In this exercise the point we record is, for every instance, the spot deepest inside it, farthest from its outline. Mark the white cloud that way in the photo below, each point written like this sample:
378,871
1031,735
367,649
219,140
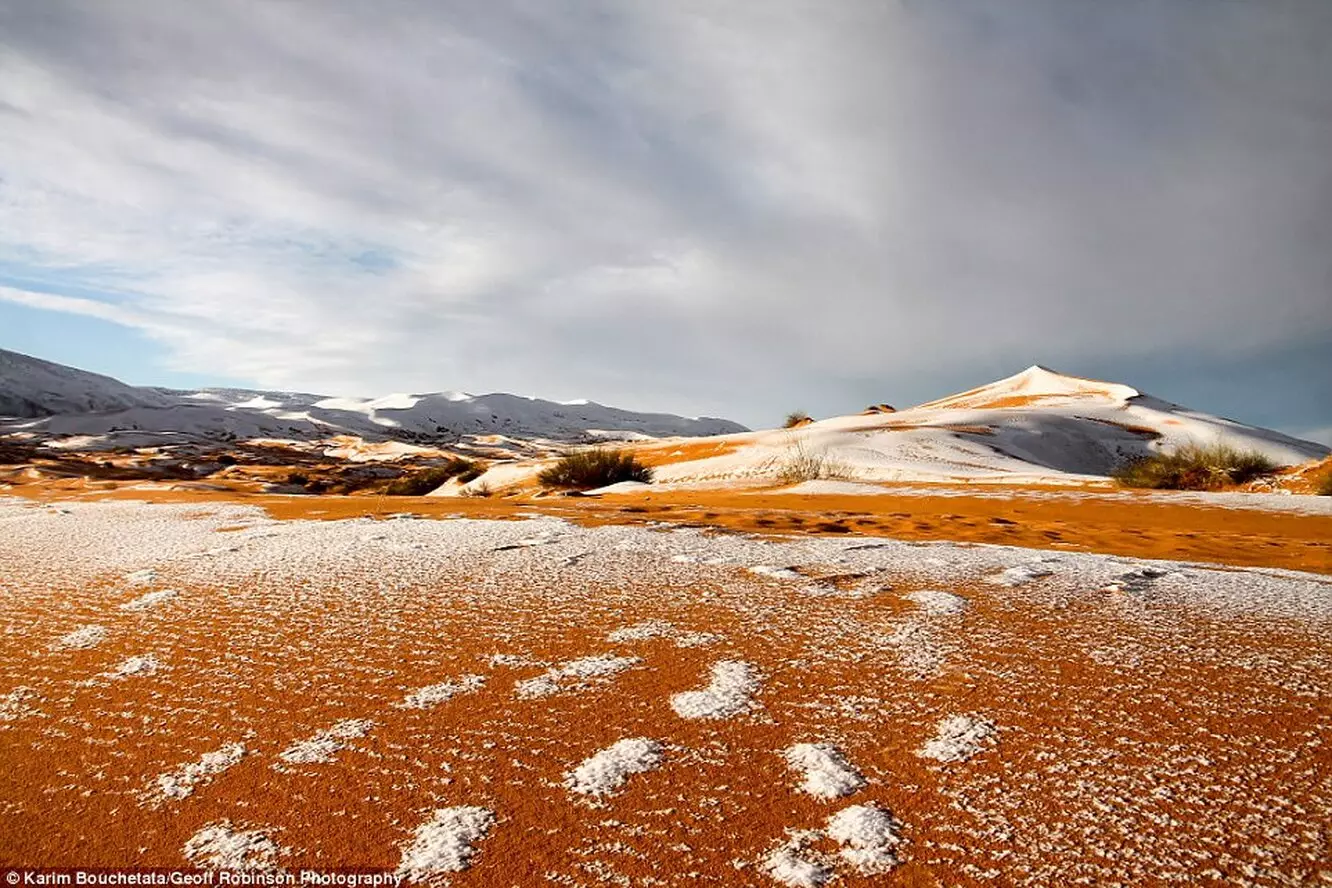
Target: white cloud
684,205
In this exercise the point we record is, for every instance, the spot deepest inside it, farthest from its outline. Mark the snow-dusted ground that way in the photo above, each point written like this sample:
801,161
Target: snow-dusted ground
1264,502
1086,718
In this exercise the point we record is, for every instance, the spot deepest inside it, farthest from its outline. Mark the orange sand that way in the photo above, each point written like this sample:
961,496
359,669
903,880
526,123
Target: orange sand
1126,750
1142,527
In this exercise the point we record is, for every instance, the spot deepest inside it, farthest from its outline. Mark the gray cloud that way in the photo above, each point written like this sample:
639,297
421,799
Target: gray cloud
703,207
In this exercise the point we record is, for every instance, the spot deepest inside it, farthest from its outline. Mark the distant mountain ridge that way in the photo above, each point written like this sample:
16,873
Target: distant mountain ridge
54,400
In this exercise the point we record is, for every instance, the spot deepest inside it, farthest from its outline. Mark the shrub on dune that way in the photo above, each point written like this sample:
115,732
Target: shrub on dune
423,482
1194,467
597,467
803,464
796,418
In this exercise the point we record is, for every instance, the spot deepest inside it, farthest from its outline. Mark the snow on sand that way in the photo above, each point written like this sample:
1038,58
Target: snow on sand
827,772
438,693
180,783
733,685
611,768
959,738
869,837
80,639
443,844
219,846
324,745
575,675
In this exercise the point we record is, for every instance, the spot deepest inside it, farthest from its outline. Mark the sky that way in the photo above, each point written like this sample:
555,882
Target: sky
732,208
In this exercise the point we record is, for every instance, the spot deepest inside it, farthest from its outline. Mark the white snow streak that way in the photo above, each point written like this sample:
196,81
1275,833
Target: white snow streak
959,737
218,846
148,600
869,837
431,695
936,603
610,768
574,675
443,844
733,684
80,639
181,782
324,745
827,772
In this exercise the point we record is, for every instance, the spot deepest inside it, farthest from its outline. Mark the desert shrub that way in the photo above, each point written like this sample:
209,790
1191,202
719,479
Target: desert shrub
1324,485
298,478
803,464
1194,467
423,482
474,471
480,490
595,467
795,418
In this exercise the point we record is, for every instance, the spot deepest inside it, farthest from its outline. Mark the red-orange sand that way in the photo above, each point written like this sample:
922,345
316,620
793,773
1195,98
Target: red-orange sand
1142,526
1137,743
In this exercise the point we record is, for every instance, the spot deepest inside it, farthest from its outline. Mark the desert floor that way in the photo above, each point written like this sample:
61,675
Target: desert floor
865,690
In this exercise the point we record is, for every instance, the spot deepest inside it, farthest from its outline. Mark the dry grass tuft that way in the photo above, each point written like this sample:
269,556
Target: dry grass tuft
1195,467
803,464
595,467
423,482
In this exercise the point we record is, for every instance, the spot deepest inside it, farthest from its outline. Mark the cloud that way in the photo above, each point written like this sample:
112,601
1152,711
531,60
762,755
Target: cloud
717,208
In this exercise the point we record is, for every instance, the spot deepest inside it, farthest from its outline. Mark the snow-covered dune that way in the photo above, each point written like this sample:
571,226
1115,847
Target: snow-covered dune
1038,425
50,400
31,387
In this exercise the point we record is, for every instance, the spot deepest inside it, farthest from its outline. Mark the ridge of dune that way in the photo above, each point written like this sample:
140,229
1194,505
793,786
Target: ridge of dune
1034,385
1036,426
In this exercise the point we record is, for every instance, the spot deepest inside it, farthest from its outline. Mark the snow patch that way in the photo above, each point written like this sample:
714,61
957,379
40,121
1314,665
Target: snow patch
610,768
512,661
918,649
146,664
574,675
659,629
434,694
1019,575
148,600
937,603
642,632
828,772
13,706
82,638
959,738
180,783
443,844
324,745
777,573
869,837
218,846
790,867
729,693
